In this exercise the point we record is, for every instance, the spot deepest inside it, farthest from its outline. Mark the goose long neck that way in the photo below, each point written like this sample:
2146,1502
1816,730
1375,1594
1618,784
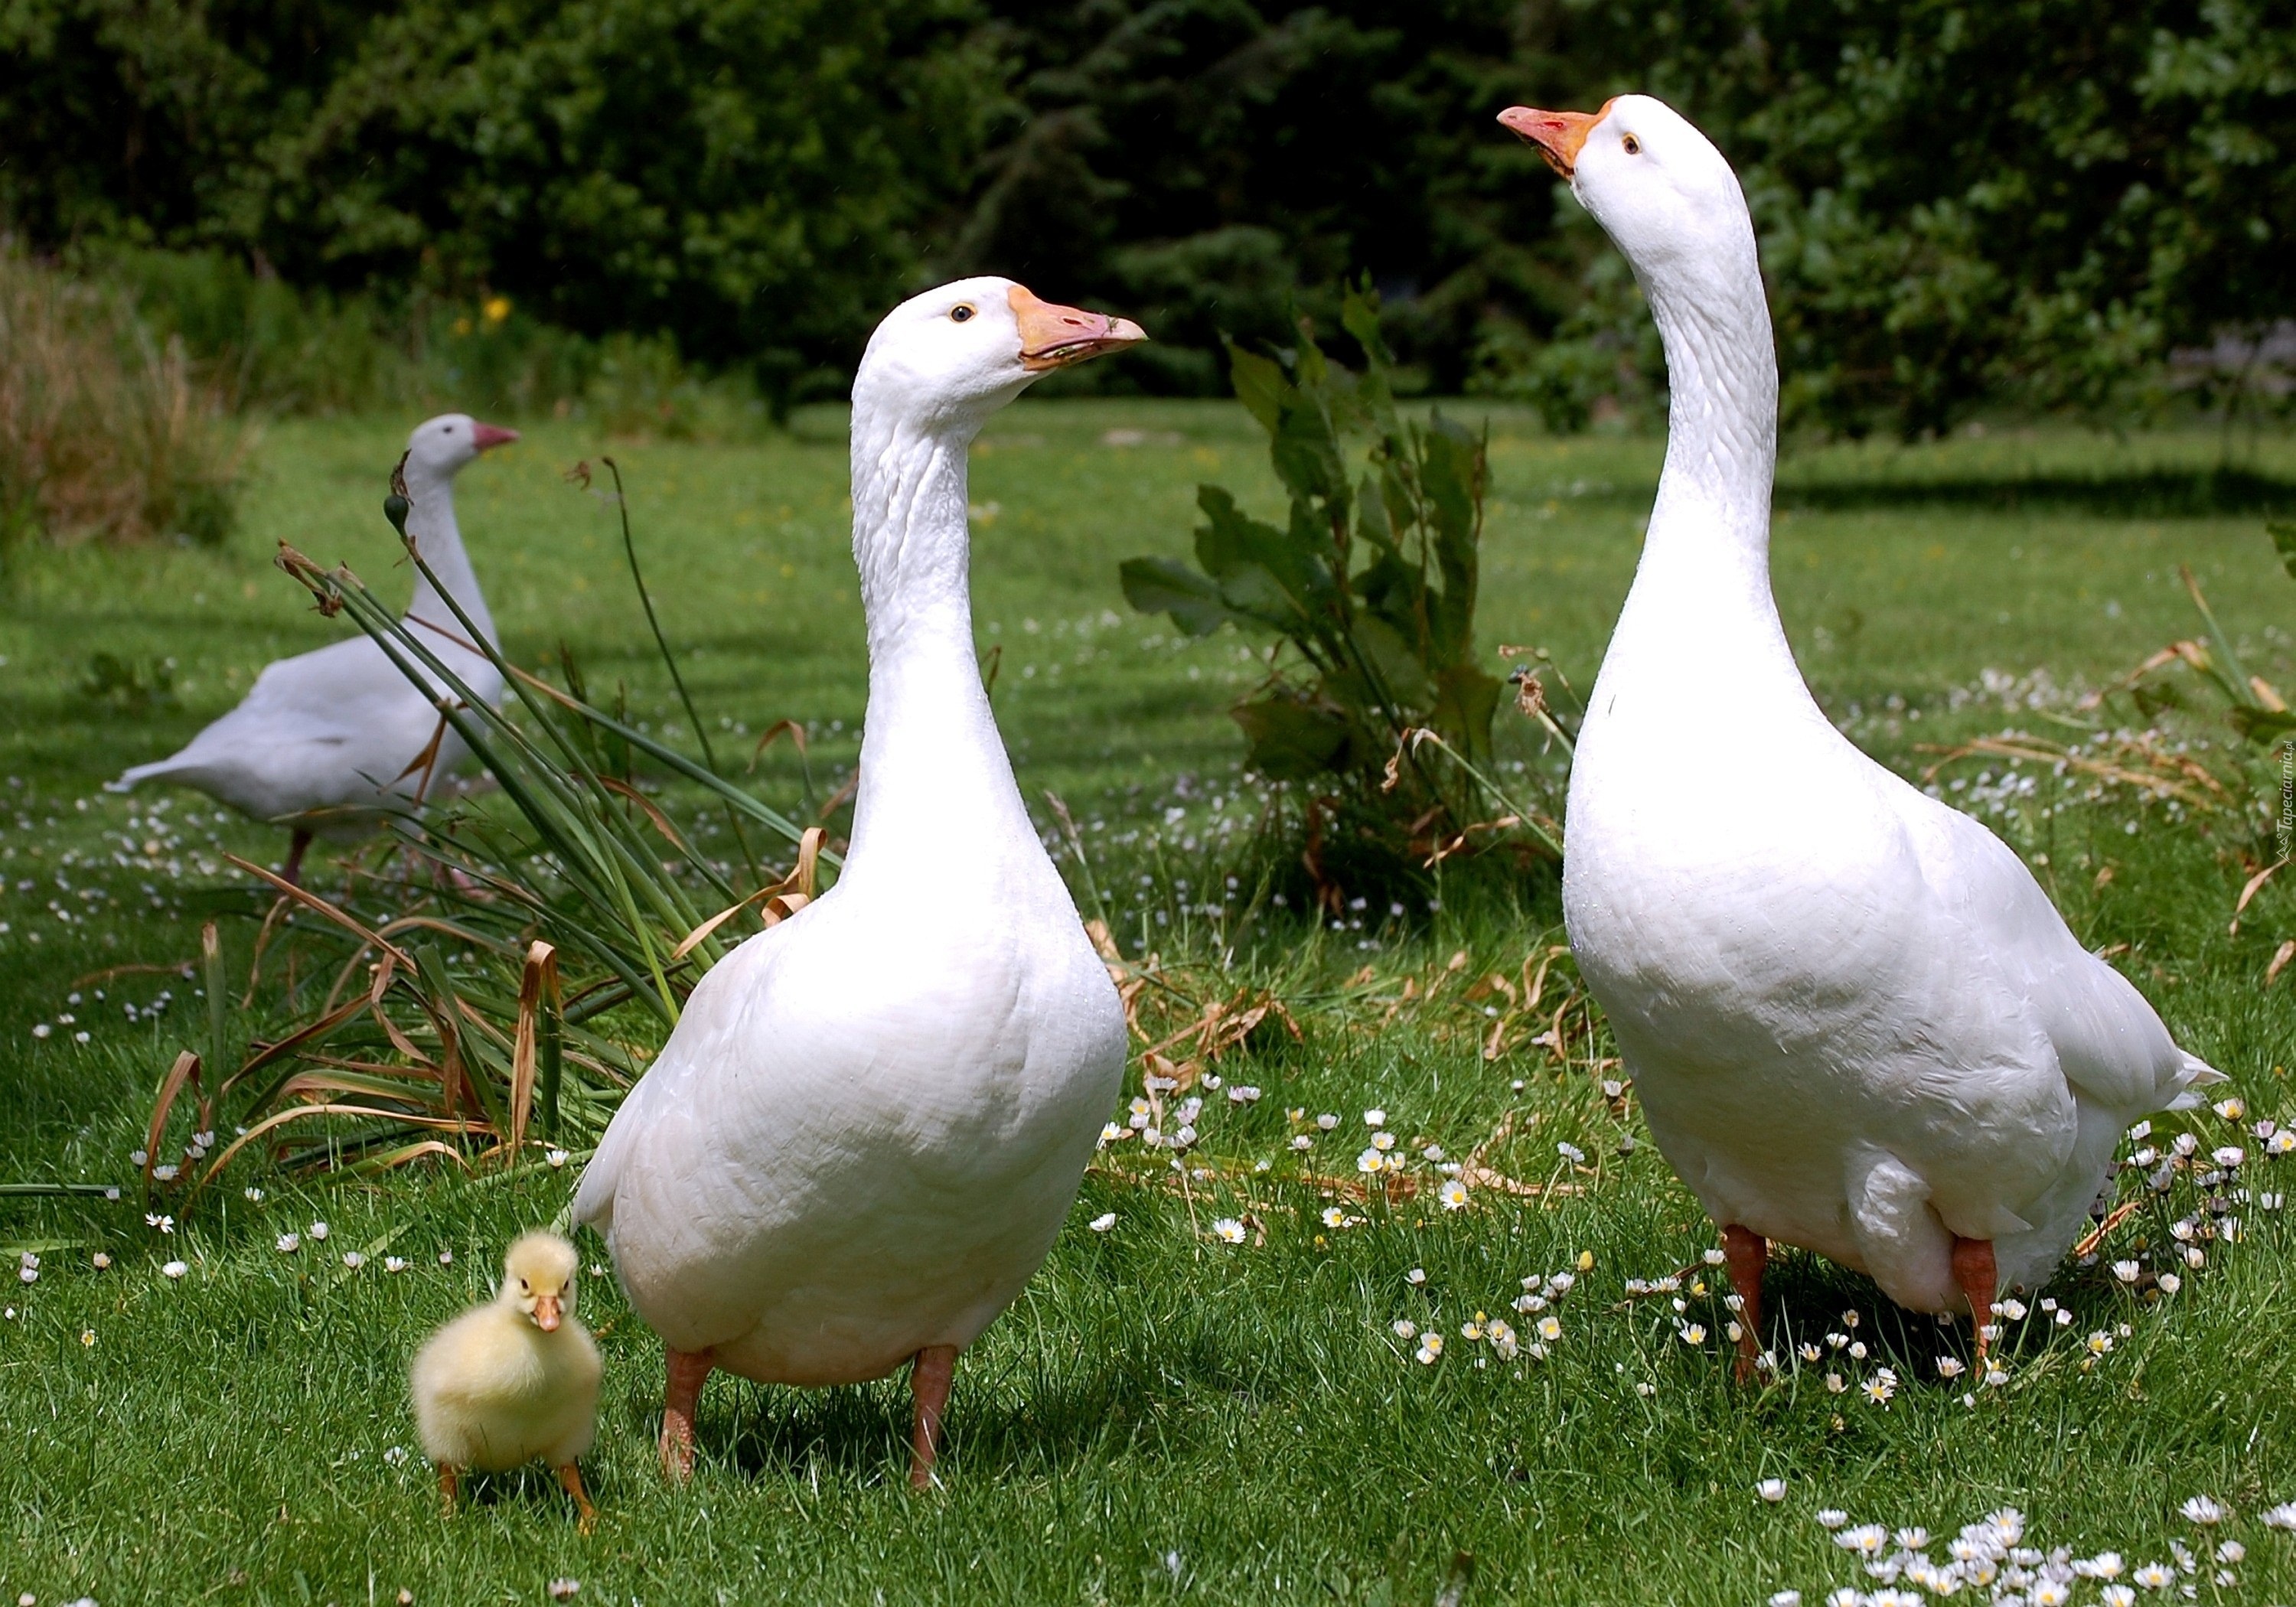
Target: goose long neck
430,520
1701,598
935,779
1722,417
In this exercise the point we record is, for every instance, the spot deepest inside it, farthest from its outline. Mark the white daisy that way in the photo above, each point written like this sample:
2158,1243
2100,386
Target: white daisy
1228,1231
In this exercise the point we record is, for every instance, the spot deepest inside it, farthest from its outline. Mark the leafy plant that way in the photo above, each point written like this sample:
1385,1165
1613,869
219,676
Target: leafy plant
112,679
507,978
105,430
2253,706
1369,584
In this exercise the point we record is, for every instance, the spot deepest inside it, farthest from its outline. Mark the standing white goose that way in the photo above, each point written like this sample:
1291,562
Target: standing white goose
1854,1020
328,739
861,1138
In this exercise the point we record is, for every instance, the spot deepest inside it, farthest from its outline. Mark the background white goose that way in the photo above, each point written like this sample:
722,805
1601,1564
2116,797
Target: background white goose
862,1137
1855,1022
326,739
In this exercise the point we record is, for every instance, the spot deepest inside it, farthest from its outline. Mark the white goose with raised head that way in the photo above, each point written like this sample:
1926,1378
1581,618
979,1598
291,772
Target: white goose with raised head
1855,1022
327,741
865,1132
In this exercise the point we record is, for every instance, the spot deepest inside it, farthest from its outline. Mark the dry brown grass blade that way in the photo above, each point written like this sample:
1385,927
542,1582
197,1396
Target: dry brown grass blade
669,834
390,1160
2254,886
186,1069
789,728
540,976
272,917
838,799
2104,1230
279,1119
2189,651
425,761
319,906
292,1043
321,1083
2280,958
2182,770
97,979
778,902
384,973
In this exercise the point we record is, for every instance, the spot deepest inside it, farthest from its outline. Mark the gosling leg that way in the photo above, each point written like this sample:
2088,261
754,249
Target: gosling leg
1747,1253
449,1488
1980,1280
570,1476
689,1370
929,1382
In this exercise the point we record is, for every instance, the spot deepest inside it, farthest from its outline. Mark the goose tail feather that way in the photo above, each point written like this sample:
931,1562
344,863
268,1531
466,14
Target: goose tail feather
129,777
2198,1074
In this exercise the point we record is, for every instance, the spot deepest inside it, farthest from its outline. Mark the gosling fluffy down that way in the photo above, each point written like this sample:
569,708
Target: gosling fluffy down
516,1380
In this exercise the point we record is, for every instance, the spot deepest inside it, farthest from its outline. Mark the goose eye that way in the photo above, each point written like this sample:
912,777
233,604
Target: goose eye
1633,146
961,313
522,1283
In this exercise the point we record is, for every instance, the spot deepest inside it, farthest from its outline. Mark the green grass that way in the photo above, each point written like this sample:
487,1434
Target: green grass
1163,1416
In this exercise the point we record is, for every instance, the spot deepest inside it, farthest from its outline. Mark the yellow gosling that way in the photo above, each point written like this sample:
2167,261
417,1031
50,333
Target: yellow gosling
514,1381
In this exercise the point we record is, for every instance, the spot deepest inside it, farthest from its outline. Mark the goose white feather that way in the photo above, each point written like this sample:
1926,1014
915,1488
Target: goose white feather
1854,1020
865,1130
328,740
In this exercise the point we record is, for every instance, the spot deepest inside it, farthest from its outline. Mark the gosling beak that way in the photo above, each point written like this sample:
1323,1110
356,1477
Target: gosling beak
1558,134
483,435
545,1313
1052,336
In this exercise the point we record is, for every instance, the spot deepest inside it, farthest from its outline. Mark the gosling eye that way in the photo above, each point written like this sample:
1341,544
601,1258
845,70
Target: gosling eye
526,1286
961,312
1633,146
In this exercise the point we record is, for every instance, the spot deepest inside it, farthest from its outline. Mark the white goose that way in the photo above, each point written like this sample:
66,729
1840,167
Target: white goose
327,740
1855,1020
861,1138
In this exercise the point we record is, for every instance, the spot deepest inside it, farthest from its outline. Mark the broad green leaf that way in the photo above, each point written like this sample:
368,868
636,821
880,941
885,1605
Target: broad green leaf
2262,725
1465,699
1259,385
1375,521
1291,739
1306,458
1389,655
1164,585
2283,542
1230,542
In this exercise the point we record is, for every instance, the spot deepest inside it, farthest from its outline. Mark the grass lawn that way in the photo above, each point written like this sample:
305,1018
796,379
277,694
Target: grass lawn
1164,1416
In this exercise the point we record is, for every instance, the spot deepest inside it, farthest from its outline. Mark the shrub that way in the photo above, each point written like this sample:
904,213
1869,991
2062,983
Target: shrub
1370,583
104,431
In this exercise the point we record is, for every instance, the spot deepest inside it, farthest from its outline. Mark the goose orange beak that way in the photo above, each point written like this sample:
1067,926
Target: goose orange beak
483,435
1560,136
547,1313
1052,336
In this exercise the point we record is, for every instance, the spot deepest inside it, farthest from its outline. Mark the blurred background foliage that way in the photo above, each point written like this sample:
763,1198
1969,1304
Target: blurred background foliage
341,203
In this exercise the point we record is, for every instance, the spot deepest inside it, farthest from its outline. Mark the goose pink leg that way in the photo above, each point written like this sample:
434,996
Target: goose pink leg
1980,1280
689,1370
292,873
1747,1253
929,1382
